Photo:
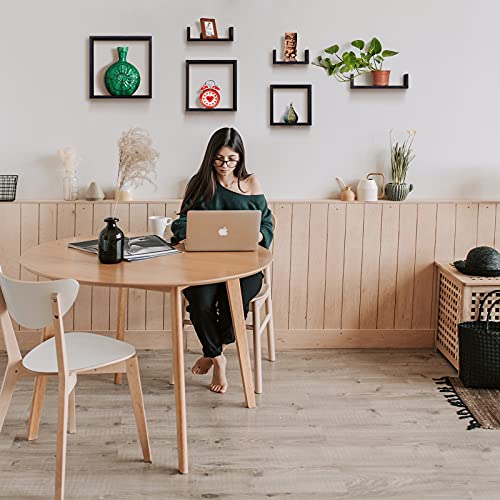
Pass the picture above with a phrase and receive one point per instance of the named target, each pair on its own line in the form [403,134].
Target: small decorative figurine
[210,95]
[291,116]
[94,192]
[290,46]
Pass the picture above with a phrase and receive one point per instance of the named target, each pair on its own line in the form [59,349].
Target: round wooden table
[171,273]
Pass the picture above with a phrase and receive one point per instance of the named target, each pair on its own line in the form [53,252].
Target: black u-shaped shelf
[230,38]
[406,85]
[291,63]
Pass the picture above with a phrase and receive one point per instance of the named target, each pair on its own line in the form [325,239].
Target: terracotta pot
[381,77]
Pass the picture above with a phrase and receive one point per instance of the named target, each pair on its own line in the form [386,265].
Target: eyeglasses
[218,162]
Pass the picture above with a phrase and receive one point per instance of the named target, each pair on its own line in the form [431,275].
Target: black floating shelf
[291,63]
[406,85]
[230,38]
[277,87]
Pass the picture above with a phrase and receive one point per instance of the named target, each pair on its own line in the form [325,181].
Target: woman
[221,183]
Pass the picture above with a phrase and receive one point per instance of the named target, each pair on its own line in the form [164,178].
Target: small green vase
[122,78]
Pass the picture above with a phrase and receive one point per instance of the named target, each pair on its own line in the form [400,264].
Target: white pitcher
[368,190]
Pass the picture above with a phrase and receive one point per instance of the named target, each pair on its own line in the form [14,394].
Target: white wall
[448,47]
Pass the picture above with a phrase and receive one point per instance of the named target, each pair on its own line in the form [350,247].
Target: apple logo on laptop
[223,231]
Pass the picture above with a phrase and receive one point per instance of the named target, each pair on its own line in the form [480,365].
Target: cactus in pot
[401,157]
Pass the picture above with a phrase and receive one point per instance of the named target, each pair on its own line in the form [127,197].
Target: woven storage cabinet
[458,298]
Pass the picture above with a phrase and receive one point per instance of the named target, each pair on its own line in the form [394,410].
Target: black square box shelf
[277,87]
[120,38]
[230,38]
[231,62]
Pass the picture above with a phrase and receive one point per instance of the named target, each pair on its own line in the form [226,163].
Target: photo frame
[208,28]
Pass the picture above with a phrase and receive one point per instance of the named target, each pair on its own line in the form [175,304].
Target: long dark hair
[201,187]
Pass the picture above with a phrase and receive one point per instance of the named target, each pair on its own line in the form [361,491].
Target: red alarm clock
[210,95]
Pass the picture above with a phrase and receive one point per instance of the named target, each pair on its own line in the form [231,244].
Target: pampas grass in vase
[137,163]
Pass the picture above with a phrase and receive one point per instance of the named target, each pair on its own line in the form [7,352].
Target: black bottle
[111,242]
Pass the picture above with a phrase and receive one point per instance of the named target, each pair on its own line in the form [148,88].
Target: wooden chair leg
[62,433]
[271,349]
[120,323]
[39,390]
[8,386]
[257,349]
[72,411]
[134,383]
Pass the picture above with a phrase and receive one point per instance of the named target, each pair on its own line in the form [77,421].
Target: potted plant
[401,157]
[367,58]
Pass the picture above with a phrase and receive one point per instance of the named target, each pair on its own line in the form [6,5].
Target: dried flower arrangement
[69,158]
[138,159]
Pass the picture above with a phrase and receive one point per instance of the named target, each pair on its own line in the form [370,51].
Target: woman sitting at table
[221,183]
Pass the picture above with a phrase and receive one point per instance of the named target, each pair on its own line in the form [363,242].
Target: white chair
[258,325]
[37,305]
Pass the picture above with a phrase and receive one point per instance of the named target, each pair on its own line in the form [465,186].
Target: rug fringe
[455,400]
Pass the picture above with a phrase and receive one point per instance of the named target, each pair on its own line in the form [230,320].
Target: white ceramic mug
[159,223]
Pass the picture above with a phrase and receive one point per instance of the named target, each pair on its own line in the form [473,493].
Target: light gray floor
[330,424]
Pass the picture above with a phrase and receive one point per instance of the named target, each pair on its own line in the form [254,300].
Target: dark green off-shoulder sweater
[225,199]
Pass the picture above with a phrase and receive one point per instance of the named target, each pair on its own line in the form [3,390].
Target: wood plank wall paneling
[338,268]
[335,265]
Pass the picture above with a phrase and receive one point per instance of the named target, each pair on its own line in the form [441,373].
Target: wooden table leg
[120,322]
[240,332]
[38,398]
[180,390]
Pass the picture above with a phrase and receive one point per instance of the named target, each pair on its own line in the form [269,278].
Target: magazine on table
[136,248]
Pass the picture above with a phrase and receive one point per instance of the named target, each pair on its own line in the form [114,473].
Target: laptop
[222,230]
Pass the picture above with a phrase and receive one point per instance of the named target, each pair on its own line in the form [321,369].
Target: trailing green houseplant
[362,58]
[401,157]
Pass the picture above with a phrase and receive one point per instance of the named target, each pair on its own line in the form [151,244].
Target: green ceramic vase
[122,78]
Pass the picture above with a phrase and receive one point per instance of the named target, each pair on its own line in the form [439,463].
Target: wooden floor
[330,424]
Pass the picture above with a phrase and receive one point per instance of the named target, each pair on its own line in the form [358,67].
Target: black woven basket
[479,349]
[8,186]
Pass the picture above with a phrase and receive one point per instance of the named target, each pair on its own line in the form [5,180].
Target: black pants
[210,313]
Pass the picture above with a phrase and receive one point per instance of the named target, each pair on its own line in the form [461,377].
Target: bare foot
[202,366]
[219,381]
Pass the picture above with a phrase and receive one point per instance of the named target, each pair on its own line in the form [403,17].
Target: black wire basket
[8,186]
[479,348]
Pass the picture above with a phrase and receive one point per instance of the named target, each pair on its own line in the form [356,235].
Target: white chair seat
[85,351]
[262,292]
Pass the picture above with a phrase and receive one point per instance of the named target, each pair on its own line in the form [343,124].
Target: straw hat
[480,261]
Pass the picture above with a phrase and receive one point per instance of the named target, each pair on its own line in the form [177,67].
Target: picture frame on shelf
[208,28]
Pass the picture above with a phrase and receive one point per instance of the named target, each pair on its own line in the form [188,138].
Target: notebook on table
[136,248]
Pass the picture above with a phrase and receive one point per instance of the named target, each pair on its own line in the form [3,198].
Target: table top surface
[56,261]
